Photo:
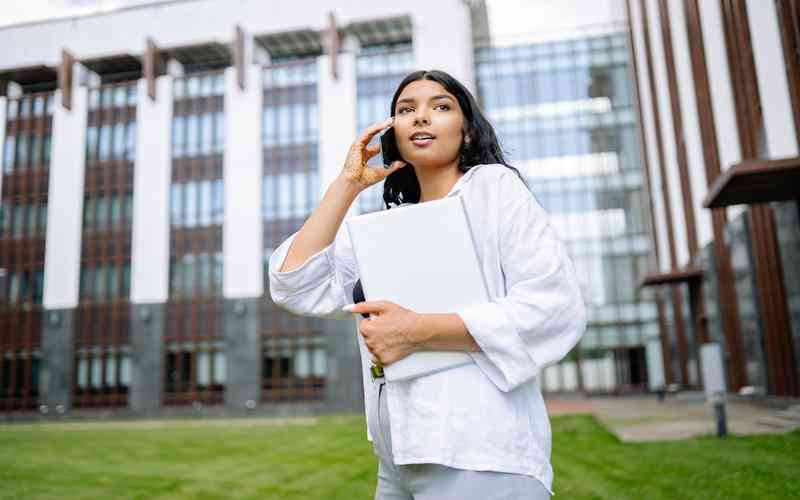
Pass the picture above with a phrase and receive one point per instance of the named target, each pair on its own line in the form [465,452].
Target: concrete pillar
[57,362]
[344,390]
[151,180]
[344,387]
[243,386]
[147,323]
[65,202]
[337,118]
[150,245]
[455,56]
[243,239]
[3,110]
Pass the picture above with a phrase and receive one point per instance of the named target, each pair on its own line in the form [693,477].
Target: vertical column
[63,242]
[697,181]
[772,80]
[655,254]
[242,243]
[721,89]
[455,57]
[711,162]
[662,177]
[748,91]
[337,117]
[337,131]
[150,243]
[3,104]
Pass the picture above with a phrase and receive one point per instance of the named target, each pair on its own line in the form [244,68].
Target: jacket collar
[460,183]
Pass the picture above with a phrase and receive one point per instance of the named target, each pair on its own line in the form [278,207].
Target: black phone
[388,144]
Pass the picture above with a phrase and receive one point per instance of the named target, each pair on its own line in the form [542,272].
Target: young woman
[479,431]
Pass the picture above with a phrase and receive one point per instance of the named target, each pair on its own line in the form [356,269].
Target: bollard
[719,413]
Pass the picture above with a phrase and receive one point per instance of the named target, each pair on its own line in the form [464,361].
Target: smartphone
[389,151]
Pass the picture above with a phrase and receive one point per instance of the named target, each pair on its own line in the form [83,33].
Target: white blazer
[489,415]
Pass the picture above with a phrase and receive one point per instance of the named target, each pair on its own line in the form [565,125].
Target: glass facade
[23,225]
[787,215]
[564,115]
[102,370]
[707,261]
[294,356]
[195,361]
[379,70]
[738,233]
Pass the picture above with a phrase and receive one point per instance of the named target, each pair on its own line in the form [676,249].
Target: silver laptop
[422,257]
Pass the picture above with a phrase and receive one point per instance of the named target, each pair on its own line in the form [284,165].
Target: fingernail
[349,307]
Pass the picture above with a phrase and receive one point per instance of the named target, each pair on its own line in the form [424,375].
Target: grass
[329,458]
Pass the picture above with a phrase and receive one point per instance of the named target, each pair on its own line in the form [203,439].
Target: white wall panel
[151,180]
[65,202]
[721,91]
[691,124]
[648,125]
[668,135]
[772,81]
[337,119]
[242,241]
[3,110]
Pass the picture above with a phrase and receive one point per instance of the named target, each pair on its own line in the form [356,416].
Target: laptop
[422,257]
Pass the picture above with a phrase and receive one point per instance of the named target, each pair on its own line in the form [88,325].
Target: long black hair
[402,186]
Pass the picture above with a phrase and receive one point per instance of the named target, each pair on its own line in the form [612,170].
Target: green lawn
[333,460]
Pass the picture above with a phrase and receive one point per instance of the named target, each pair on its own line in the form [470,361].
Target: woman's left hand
[391,335]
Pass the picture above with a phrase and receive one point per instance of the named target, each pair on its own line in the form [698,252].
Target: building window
[379,71]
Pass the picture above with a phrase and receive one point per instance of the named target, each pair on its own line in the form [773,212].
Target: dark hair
[402,186]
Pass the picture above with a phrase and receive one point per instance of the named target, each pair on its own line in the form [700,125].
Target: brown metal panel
[654,254]
[151,67]
[756,181]
[101,322]
[769,278]
[239,57]
[687,275]
[285,336]
[659,136]
[772,304]
[705,114]
[333,45]
[697,304]
[677,129]
[675,293]
[24,195]
[65,78]
[194,317]
[634,69]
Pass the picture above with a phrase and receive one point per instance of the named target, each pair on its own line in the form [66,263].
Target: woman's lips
[422,143]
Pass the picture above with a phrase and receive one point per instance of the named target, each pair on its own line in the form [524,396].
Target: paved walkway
[643,418]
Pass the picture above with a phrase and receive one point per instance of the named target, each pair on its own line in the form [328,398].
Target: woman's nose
[421,117]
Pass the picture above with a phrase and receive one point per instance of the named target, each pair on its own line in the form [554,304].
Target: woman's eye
[445,106]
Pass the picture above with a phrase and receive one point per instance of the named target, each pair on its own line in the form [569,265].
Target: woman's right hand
[356,171]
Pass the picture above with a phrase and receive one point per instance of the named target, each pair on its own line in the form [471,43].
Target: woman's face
[424,107]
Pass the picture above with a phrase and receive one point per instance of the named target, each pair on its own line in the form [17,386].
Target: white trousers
[434,481]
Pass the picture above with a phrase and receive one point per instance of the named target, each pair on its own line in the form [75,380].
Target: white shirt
[489,415]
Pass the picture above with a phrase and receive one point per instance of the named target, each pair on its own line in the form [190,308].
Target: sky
[506,17]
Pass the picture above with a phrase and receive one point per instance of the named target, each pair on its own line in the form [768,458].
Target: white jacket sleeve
[321,286]
[542,315]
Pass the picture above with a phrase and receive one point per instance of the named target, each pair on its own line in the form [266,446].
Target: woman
[479,431]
